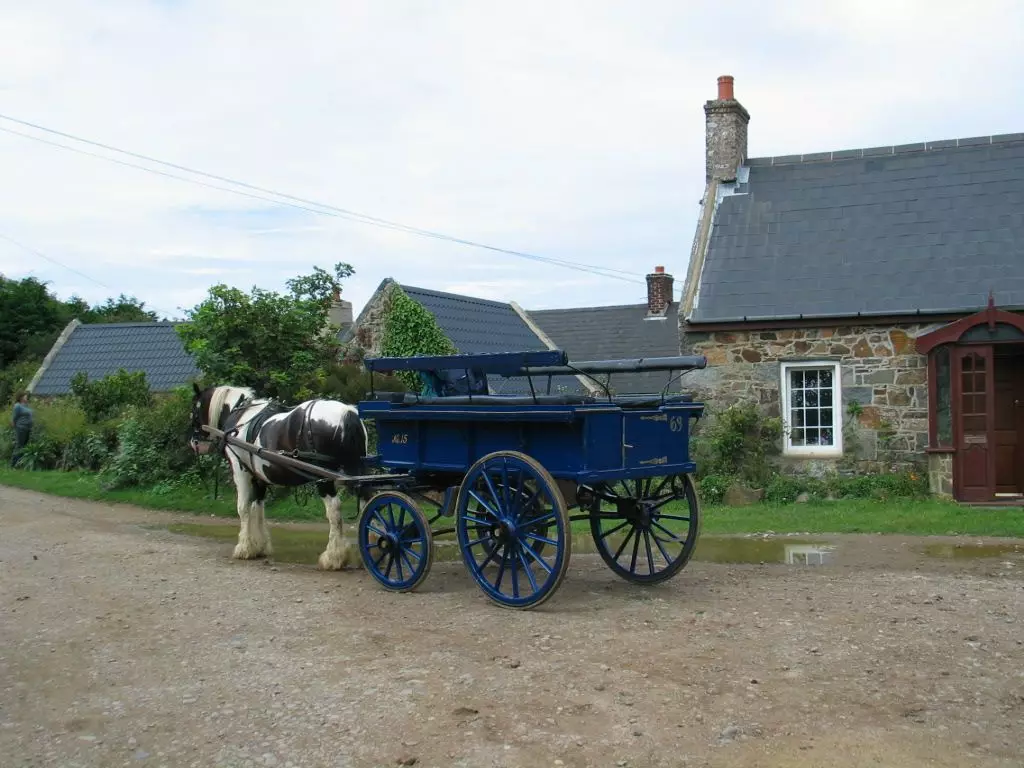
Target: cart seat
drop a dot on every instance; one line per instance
(623, 401)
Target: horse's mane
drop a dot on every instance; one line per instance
(219, 398)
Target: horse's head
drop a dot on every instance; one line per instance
(210, 407)
(199, 441)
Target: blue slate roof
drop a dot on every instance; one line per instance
(927, 228)
(616, 332)
(102, 349)
(478, 326)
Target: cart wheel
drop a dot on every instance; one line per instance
(508, 504)
(395, 541)
(655, 540)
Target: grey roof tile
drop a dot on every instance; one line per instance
(930, 229)
(480, 326)
(102, 349)
(607, 333)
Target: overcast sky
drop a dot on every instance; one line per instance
(570, 130)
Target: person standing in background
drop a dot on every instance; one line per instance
(22, 421)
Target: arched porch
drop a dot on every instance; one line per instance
(976, 403)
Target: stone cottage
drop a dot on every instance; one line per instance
(872, 298)
(479, 326)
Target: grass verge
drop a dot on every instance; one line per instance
(909, 517)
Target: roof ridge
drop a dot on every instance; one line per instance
(892, 149)
(449, 295)
(591, 309)
(134, 324)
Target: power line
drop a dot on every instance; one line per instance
(52, 261)
(330, 209)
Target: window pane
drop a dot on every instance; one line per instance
(979, 362)
(812, 402)
(943, 391)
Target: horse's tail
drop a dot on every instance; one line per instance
(353, 443)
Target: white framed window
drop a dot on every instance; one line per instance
(812, 409)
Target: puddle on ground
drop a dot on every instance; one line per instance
(305, 546)
(972, 551)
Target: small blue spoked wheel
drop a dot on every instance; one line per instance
(509, 506)
(645, 529)
(395, 541)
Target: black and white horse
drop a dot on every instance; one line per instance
(327, 433)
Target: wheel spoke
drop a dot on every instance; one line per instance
(671, 536)
(539, 560)
(481, 540)
(606, 534)
(398, 563)
(484, 505)
(526, 567)
(537, 537)
(624, 543)
(494, 494)
(501, 568)
(636, 550)
(650, 553)
(515, 568)
(479, 521)
(408, 562)
(657, 542)
(533, 523)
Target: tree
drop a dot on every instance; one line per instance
(123, 309)
(29, 318)
(272, 342)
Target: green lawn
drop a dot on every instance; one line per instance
(914, 517)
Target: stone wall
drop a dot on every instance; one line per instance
(368, 332)
(881, 372)
(940, 474)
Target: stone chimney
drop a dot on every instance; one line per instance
(725, 122)
(340, 313)
(659, 292)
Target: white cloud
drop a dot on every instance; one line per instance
(568, 129)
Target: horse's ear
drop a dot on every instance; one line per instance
(196, 388)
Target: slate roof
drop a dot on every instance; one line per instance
(927, 228)
(101, 349)
(616, 332)
(478, 326)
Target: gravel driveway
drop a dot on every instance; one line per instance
(122, 645)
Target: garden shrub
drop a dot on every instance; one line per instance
(152, 442)
(107, 397)
(738, 442)
(712, 488)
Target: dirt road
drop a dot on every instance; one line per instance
(121, 645)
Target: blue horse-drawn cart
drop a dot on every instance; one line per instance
(509, 468)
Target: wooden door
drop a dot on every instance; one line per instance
(1008, 424)
(973, 403)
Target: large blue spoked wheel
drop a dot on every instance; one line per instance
(395, 541)
(645, 529)
(508, 506)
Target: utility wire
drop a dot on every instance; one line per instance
(53, 261)
(330, 209)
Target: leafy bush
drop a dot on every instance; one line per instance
(409, 330)
(107, 397)
(738, 442)
(350, 383)
(152, 443)
(712, 488)
(15, 378)
(784, 489)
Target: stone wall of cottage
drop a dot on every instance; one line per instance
(881, 372)
(368, 334)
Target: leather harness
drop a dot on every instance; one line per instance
(255, 424)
